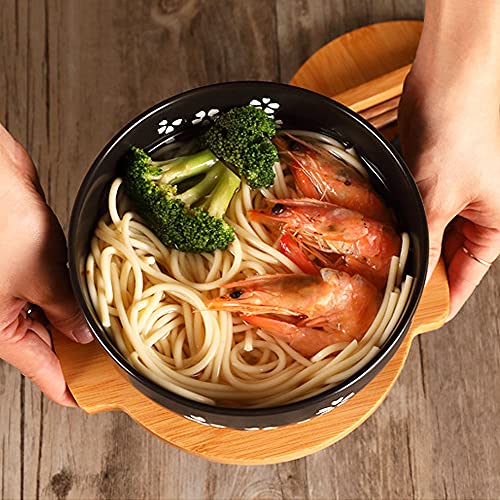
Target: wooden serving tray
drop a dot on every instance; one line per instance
(97, 386)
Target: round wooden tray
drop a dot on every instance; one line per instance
(97, 386)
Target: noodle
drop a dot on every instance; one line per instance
(151, 301)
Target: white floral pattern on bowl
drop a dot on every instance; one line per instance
(197, 419)
(334, 404)
(322, 411)
(268, 106)
(203, 117)
(165, 128)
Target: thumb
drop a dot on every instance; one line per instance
(436, 231)
(439, 212)
(50, 287)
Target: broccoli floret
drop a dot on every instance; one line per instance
(190, 220)
(241, 139)
(184, 199)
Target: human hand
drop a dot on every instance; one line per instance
(450, 133)
(32, 271)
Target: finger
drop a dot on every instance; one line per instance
(464, 274)
(38, 322)
(7, 142)
(50, 287)
(482, 241)
(25, 350)
(438, 216)
(42, 332)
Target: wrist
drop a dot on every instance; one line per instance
(460, 48)
(466, 94)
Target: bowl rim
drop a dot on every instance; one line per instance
(401, 328)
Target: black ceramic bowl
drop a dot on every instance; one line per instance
(294, 108)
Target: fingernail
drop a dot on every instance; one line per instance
(82, 334)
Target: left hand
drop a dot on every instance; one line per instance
(450, 133)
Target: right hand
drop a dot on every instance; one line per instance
(33, 271)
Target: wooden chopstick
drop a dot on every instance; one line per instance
(382, 114)
(377, 100)
(381, 109)
(376, 91)
(384, 119)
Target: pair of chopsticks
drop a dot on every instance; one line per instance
(377, 100)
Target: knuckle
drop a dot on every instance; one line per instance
(438, 215)
(70, 320)
(48, 293)
(33, 223)
(20, 158)
(434, 251)
(38, 372)
(39, 220)
(14, 331)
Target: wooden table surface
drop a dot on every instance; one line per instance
(74, 71)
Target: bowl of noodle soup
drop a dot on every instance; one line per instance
(146, 304)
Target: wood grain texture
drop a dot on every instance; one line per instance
(436, 436)
(376, 91)
(97, 386)
(381, 108)
(304, 26)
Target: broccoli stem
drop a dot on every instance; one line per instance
(221, 195)
(184, 167)
(203, 187)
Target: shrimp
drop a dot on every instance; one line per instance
(319, 310)
(320, 175)
(367, 245)
(310, 261)
(290, 247)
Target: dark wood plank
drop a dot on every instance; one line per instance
(13, 80)
(12, 420)
(462, 380)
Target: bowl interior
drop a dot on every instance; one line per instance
(293, 108)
